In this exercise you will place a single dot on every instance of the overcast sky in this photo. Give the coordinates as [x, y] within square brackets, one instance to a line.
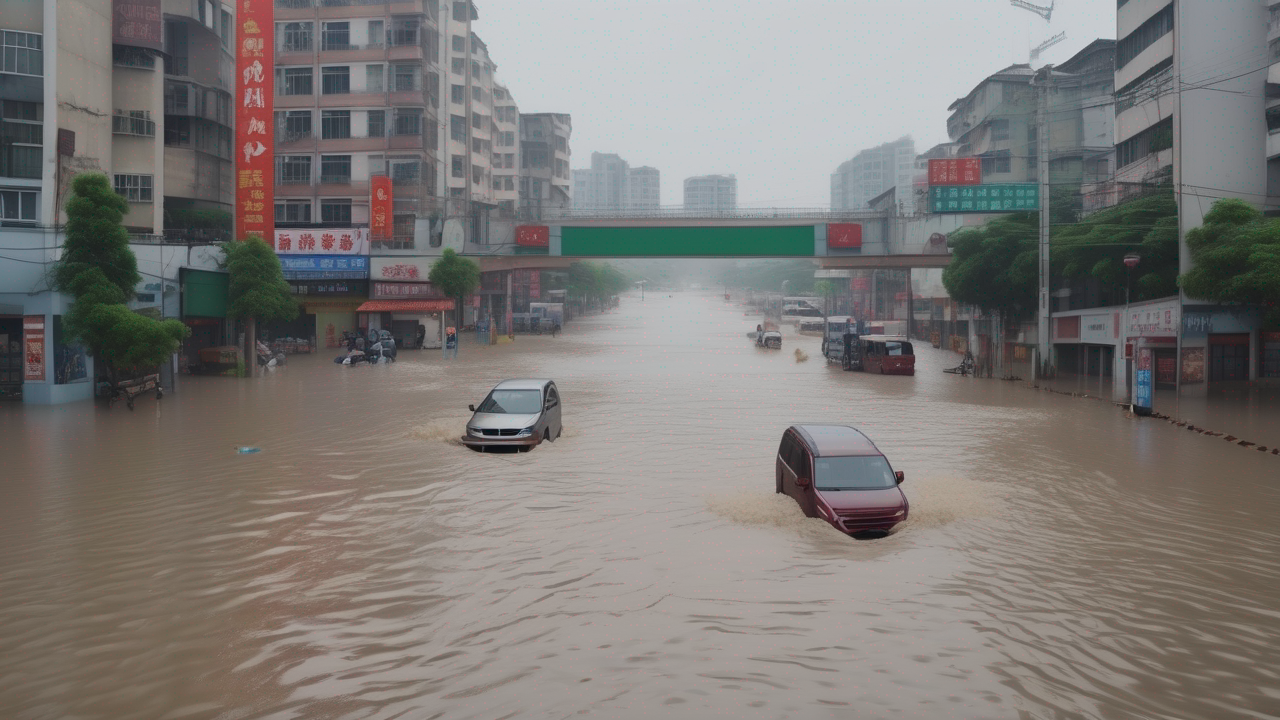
[778, 93]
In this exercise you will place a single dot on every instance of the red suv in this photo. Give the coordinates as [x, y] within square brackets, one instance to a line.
[837, 473]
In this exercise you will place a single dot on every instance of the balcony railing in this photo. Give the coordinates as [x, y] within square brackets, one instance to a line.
[128, 125]
[335, 179]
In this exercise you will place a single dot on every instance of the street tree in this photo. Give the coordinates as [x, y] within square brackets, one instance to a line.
[994, 267]
[455, 276]
[257, 291]
[100, 271]
[1094, 248]
[1236, 255]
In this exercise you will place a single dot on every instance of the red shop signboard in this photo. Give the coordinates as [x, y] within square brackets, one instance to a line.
[955, 171]
[254, 148]
[533, 235]
[33, 339]
[380, 207]
[844, 235]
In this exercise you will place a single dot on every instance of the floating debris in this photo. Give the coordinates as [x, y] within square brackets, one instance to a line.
[246, 450]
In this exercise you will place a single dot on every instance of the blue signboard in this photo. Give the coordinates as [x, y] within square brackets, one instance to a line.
[1142, 383]
[325, 267]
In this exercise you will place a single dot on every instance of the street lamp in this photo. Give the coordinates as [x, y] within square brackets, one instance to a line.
[1131, 261]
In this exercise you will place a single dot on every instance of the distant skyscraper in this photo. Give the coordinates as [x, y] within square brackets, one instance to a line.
[610, 183]
[873, 171]
[711, 192]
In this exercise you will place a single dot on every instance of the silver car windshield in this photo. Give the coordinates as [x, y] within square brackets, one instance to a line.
[867, 472]
[512, 402]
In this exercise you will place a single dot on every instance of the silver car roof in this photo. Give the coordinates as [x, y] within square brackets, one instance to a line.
[521, 385]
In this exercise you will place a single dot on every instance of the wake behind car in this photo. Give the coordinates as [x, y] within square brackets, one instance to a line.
[516, 414]
[836, 473]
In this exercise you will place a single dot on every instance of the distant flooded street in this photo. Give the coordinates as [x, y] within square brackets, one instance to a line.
[1061, 560]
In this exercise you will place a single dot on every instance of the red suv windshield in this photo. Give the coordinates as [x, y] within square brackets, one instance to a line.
[864, 472]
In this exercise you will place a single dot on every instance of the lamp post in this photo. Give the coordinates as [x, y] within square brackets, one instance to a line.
[1131, 261]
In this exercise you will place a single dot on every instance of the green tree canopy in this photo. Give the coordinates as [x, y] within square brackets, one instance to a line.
[1095, 247]
[994, 266]
[596, 281]
[99, 269]
[256, 287]
[455, 276]
[1237, 258]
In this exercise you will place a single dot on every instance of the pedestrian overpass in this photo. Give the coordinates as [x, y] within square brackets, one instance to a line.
[834, 240]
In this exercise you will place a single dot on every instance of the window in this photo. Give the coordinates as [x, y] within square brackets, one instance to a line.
[477, 93]
[408, 121]
[457, 128]
[497, 183]
[134, 188]
[510, 182]
[1132, 45]
[133, 122]
[377, 123]
[296, 37]
[294, 81]
[457, 170]
[336, 211]
[226, 29]
[335, 80]
[455, 192]
[377, 165]
[177, 131]
[21, 139]
[477, 121]
[335, 36]
[997, 162]
[459, 66]
[477, 146]
[402, 230]
[18, 205]
[293, 211]
[335, 124]
[22, 53]
[293, 170]
[1148, 142]
[459, 44]
[405, 78]
[134, 57]
[999, 130]
[293, 125]
[373, 75]
[457, 94]
[335, 170]
[406, 171]
[404, 31]
[376, 33]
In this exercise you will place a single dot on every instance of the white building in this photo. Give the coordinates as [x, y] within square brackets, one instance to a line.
[869, 173]
[611, 183]
[545, 180]
[711, 192]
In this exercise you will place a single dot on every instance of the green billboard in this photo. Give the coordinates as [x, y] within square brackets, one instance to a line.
[994, 198]
[768, 241]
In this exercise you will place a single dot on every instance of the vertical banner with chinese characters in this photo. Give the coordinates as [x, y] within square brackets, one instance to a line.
[33, 337]
[255, 196]
[380, 207]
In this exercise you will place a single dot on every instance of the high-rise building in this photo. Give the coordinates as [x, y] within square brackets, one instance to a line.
[711, 192]
[869, 173]
[357, 92]
[545, 180]
[506, 151]
[148, 103]
[611, 183]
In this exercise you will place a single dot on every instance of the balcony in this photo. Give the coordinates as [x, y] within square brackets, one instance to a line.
[340, 9]
[128, 125]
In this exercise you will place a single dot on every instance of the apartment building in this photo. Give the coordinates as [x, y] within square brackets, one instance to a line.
[545, 180]
[1144, 93]
[506, 151]
[611, 183]
[357, 95]
[711, 193]
[869, 173]
[147, 102]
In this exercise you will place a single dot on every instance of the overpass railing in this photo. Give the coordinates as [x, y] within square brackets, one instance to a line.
[679, 213]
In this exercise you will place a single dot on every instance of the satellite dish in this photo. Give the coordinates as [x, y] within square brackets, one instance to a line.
[454, 235]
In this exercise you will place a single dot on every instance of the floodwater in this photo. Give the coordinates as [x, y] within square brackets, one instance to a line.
[1061, 560]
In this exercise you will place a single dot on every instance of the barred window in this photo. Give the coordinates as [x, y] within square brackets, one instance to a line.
[134, 188]
[293, 170]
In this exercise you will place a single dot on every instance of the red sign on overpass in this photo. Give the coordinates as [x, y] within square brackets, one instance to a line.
[844, 235]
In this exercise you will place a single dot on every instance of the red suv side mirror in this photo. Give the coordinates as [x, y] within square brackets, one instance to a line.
[802, 482]
[899, 477]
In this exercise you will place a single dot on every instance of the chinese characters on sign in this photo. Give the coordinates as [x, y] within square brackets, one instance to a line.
[137, 23]
[533, 236]
[340, 241]
[324, 267]
[380, 207]
[955, 171]
[255, 184]
[844, 235]
[411, 291]
[1003, 197]
[33, 348]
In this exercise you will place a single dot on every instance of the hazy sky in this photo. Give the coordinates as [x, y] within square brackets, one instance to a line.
[778, 93]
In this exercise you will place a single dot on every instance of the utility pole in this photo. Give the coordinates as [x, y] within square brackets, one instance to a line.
[1041, 83]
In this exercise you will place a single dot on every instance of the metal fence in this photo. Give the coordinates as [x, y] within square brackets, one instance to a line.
[681, 213]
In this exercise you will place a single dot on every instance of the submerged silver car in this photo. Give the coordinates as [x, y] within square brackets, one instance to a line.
[517, 413]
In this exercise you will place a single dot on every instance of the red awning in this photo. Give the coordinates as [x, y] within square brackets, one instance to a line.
[408, 307]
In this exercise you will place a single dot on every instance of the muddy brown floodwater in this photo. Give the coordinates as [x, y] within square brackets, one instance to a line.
[1061, 561]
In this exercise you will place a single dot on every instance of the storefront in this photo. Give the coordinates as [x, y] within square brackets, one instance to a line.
[413, 323]
[329, 288]
[1086, 342]
[11, 357]
[204, 312]
[1220, 344]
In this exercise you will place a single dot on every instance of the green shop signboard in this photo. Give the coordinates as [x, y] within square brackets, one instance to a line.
[1000, 197]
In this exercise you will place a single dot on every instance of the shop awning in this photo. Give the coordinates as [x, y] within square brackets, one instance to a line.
[408, 307]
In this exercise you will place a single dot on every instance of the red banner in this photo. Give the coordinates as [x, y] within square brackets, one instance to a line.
[254, 149]
[533, 235]
[380, 207]
[34, 347]
[955, 171]
[844, 235]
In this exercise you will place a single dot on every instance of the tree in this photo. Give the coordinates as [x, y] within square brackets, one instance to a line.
[455, 276]
[1094, 248]
[995, 266]
[826, 290]
[256, 290]
[596, 282]
[1237, 258]
[99, 269]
